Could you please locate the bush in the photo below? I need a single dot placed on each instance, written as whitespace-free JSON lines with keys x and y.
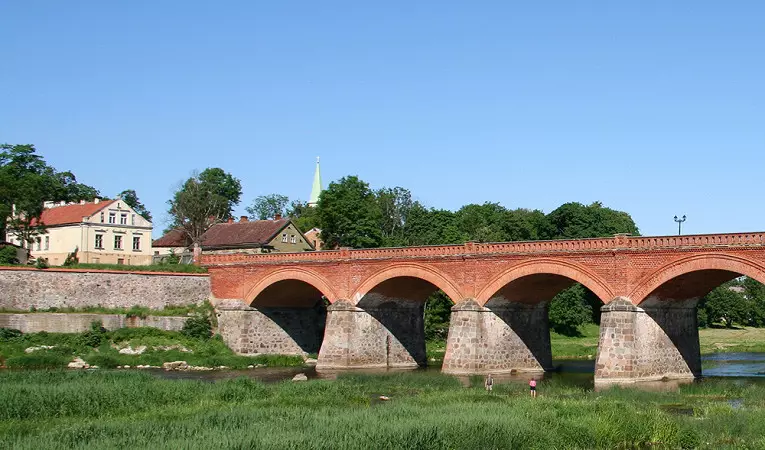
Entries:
{"x":94,"y":337}
{"x":72,"y":259}
{"x":42,"y":263}
{"x":198,"y":327}
{"x":37,"y":360}
{"x":8,"y":255}
{"x":6,"y":334}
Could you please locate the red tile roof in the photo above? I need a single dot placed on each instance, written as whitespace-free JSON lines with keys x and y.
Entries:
{"x":173,"y":238}
{"x":228,"y":235}
{"x":63,"y":215}
{"x":239,"y":234}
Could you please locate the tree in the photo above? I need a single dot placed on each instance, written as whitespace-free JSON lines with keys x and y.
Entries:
{"x":303,"y":216}
{"x":438,"y":309}
{"x":222,"y":184}
{"x":754,"y":291}
{"x":196,"y":207}
{"x":569,"y":310}
{"x":431,"y":227}
{"x":726,"y":305}
{"x":268,"y":207}
{"x":349,"y":215}
{"x":26,"y":183}
{"x":483,"y":223}
{"x":131,"y":199}
{"x":395,"y":205}
{"x":576,"y":221}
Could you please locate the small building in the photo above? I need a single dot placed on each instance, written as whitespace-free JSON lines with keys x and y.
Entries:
{"x":107,"y":232}
{"x":314,"y":238}
{"x":244,"y":236}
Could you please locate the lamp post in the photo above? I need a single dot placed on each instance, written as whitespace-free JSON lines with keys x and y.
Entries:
{"x":679,"y":224}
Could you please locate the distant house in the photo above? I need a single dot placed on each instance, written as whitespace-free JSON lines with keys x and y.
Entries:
{"x":244,"y":236}
{"x":314,"y":237}
{"x":107,"y":231}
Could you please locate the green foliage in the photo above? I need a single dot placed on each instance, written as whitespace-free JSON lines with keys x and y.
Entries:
{"x":37,"y":360}
{"x":576,"y":221}
{"x":569,"y":310}
{"x":180,"y":268}
{"x":7,"y":334}
{"x":8,"y":256}
{"x":349,"y":215}
{"x":71,"y":258}
{"x":303,"y":216}
{"x":42,"y":263}
{"x":268,"y":207}
{"x":131,"y":199}
{"x":198,"y":327}
{"x":94,"y":337}
{"x":726,"y":305}
{"x":437,"y":314}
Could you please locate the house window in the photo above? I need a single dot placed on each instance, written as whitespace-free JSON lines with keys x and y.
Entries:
{"x":38,"y":241}
{"x":123,"y":219}
{"x":112,"y":217}
{"x":118,"y":242}
{"x":120,"y":261}
{"x":47,"y":242}
{"x":293,"y":239}
{"x":100,"y":241}
{"x":284,"y":237}
{"x":132,"y":219}
{"x":136,"y":242}
{"x":102,"y":217}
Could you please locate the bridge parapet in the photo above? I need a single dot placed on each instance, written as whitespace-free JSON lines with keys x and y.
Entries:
{"x":616,"y":243}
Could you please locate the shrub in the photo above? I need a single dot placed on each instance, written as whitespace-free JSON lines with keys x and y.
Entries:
{"x":37,"y":360}
{"x":8,"y":255}
{"x":198,"y":326}
{"x":6,"y":334}
{"x":94,"y":337}
{"x":42,"y":263}
{"x":72,"y":259}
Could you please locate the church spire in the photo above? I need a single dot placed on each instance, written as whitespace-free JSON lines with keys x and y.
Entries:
{"x":316,"y":189}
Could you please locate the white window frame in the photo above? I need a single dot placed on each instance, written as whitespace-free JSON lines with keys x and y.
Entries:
{"x":284,"y":237}
{"x":118,"y":240}
{"x":99,"y":240}
{"x":123,"y":218}
{"x":137,"y":240}
{"x":293,"y":239}
{"x":112,"y":217}
{"x":47,"y":242}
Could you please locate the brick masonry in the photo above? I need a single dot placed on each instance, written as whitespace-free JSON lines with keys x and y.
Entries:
{"x":43,"y":289}
{"x":77,"y":323}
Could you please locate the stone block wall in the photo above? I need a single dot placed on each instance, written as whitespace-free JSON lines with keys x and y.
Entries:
{"x":23,"y":289}
{"x":508,"y":337}
{"x":286,"y":331}
{"x":77,"y":323}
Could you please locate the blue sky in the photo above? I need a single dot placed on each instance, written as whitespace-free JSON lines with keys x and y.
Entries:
{"x":652,"y":107}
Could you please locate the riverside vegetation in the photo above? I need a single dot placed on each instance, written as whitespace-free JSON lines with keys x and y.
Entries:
{"x":107,"y":409}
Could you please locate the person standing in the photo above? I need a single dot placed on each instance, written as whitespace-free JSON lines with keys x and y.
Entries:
{"x":533,"y":387}
{"x":489,"y":383}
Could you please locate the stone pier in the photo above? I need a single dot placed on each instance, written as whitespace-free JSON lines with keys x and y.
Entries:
{"x":287,"y":331}
{"x":501,"y":338}
{"x":655,"y":341}
{"x":384,"y":334}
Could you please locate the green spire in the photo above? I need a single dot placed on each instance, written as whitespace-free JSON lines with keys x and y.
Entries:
{"x":316,"y":189}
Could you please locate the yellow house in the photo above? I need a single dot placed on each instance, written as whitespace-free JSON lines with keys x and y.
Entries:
{"x":107,"y":232}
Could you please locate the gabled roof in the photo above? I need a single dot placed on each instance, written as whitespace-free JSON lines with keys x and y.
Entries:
{"x":256,"y":233}
{"x":243,"y":234}
{"x":173,"y":238}
{"x":68,"y":214}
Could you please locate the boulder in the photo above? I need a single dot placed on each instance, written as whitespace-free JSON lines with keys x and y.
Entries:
{"x":40,"y":347}
{"x":300,"y":377}
{"x":310,"y":362}
{"x":176,"y":365}
{"x":132,"y":351}
{"x":78,"y":363}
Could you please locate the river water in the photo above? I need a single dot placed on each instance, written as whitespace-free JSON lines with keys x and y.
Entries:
{"x":742,"y":367}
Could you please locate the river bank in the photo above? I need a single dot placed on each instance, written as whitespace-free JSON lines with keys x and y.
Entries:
{"x":104,"y":409}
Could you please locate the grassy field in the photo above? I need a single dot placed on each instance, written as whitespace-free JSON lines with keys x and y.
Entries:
{"x":107,"y":409}
{"x":102,"y":350}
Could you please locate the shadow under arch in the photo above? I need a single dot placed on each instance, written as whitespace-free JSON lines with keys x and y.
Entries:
{"x":519,"y":300}
{"x":289,"y":311}
{"x":395,"y":298}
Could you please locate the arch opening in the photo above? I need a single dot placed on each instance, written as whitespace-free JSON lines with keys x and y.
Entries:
{"x":289,"y":317}
{"x":397,"y":307}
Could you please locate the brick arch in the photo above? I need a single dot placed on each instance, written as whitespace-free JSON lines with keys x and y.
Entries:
{"x":707,"y":261}
{"x":307,"y":276}
{"x":422,"y":272}
{"x":547,"y":267}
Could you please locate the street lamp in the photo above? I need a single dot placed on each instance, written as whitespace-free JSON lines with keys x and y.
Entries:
{"x":679,"y":223}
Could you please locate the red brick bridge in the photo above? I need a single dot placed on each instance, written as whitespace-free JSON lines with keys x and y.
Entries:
{"x":274,"y":303}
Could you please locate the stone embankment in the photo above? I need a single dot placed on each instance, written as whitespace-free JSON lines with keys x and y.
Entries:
{"x":80,"y":322}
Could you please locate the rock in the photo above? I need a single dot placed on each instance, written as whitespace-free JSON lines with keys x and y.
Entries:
{"x":132,"y":351}
{"x":383,"y":398}
{"x":176,"y":365}
{"x":78,"y":363}
{"x":125,"y":367}
{"x":119,"y":367}
{"x":200,"y":368}
{"x":250,"y":366}
{"x":222,"y":367}
{"x":40,"y":347}
{"x":94,"y":367}
{"x":178,"y":347}
{"x":300,"y":377}
{"x":310,"y":362}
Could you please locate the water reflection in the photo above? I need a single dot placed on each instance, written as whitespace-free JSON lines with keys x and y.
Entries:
{"x":736,"y":367}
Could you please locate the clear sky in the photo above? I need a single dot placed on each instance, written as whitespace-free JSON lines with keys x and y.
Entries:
{"x":656,"y":108}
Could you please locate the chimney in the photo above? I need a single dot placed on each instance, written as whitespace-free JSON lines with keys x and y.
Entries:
{"x":243,"y":219}
{"x":230,"y":220}
{"x":278,"y":216}
{"x":96,"y":200}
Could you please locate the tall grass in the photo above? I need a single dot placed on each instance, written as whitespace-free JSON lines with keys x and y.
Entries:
{"x":105,"y":410}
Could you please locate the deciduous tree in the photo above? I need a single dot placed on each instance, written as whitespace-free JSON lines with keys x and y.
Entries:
{"x":131,"y":199}
{"x":349,"y":215}
{"x":268,"y":206}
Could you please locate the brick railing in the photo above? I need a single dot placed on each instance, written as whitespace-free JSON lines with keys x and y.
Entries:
{"x":618,"y":242}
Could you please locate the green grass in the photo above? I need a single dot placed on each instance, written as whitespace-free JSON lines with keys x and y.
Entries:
{"x":208,"y":353}
{"x":135,"y":311}
{"x":106,"y":409}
